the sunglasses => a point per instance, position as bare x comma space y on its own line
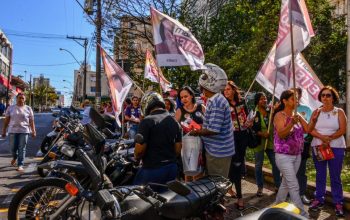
327, 95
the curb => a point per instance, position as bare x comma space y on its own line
311, 186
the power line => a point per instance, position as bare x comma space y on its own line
59, 64
34, 35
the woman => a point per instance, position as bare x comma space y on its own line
239, 113
329, 130
19, 119
260, 126
170, 106
189, 111
288, 143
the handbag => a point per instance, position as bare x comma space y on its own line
323, 152
253, 140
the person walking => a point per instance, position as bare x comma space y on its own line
19, 120
133, 116
329, 130
289, 131
260, 126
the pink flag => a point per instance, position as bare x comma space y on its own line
118, 81
306, 79
302, 30
175, 45
154, 73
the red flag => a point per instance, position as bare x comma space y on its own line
154, 73
174, 43
119, 83
302, 30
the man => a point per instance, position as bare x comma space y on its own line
217, 129
86, 114
133, 116
305, 112
161, 143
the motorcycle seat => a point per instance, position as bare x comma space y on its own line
202, 192
76, 166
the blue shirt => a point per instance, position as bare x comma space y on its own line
217, 118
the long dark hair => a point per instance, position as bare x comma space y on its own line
257, 97
286, 94
237, 95
190, 91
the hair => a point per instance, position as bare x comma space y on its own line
334, 92
299, 91
135, 97
20, 94
162, 28
128, 101
190, 91
237, 95
286, 94
172, 105
257, 97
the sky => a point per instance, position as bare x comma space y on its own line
51, 21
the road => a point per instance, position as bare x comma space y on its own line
10, 179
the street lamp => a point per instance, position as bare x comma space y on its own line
81, 64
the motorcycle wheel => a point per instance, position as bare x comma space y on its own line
40, 199
45, 145
43, 172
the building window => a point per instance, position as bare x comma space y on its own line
93, 89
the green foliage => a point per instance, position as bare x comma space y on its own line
240, 38
43, 94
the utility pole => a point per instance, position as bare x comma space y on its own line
348, 76
85, 54
30, 90
98, 53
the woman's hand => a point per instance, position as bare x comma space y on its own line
325, 139
3, 134
296, 119
265, 134
315, 115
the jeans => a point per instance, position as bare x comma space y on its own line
133, 131
335, 166
18, 143
160, 175
289, 165
259, 161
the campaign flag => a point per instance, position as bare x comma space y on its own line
119, 83
154, 73
302, 30
174, 44
305, 77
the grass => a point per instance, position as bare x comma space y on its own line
310, 169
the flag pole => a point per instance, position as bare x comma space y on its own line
251, 86
271, 110
292, 47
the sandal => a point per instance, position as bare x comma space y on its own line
231, 193
239, 206
259, 193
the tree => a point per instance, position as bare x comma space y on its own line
44, 95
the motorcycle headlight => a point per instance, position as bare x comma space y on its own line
67, 150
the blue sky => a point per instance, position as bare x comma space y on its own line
42, 56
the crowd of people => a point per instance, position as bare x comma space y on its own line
223, 122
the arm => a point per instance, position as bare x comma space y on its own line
279, 121
178, 115
313, 120
6, 124
140, 150
203, 109
303, 123
202, 132
342, 125
32, 127
178, 146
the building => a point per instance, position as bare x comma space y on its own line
131, 43
41, 81
340, 6
60, 100
90, 84
6, 52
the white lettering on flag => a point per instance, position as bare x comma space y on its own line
174, 43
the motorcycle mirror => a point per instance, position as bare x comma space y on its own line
178, 187
139, 138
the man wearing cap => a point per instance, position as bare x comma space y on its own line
217, 129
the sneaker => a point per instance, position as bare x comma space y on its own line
13, 162
339, 210
20, 168
315, 205
305, 200
259, 193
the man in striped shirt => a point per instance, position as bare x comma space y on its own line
217, 130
